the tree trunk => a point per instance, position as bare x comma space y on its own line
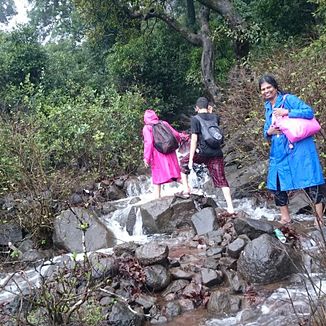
207, 58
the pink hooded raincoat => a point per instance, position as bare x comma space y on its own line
165, 167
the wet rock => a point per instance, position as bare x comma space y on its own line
216, 236
252, 228
175, 287
146, 301
176, 216
211, 277
236, 283
113, 192
228, 262
159, 320
128, 248
157, 277
68, 233
186, 304
10, 232
172, 309
213, 251
193, 289
265, 260
31, 255
122, 316
211, 262
103, 265
152, 253
234, 248
204, 221
219, 302
178, 273
26, 245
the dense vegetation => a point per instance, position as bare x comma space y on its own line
75, 80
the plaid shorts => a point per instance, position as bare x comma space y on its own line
215, 166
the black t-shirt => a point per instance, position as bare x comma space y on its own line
202, 148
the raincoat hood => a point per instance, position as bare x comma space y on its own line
150, 117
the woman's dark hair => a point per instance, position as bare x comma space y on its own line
270, 80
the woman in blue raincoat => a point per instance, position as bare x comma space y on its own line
291, 166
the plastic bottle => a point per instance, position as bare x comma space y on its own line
279, 235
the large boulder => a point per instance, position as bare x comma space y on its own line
10, 232
266, 260
204, 221
68, 233
252, 228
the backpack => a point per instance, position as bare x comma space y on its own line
164, 140
211, 133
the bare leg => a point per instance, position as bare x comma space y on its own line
185, 184
319, 215
227, 195
157, 191
285, 215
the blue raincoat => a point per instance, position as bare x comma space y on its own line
296, 166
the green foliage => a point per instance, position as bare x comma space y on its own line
157, 64
21, 55
283, 18
7, 10
87, 131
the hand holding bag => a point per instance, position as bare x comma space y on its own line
296, 129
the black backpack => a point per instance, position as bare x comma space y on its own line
211, 132
164, 140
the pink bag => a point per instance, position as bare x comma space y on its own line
296, 129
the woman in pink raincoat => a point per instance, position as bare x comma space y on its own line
165, 167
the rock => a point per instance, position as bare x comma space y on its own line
236, 283
219, 302
32, 255
214, 251
234, 248
152, 253
157, 277
146, 301
10, 232
252, 228
113, 192
103, 265
168, 213
266, 260
204, 221
172, 309
175, 287
178, 273
126, 248
68, 233
211, 277
186, 305
122, 316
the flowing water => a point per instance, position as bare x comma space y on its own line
277, 304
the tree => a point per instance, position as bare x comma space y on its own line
119, 14
7, 10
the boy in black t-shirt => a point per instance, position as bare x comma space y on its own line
200, 153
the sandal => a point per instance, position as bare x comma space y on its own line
182, 194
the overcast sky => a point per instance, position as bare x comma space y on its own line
20, 18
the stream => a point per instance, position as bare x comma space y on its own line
284, 303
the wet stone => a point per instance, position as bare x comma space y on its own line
152, 253
178, 273
211, 277
157, 277
234, 249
